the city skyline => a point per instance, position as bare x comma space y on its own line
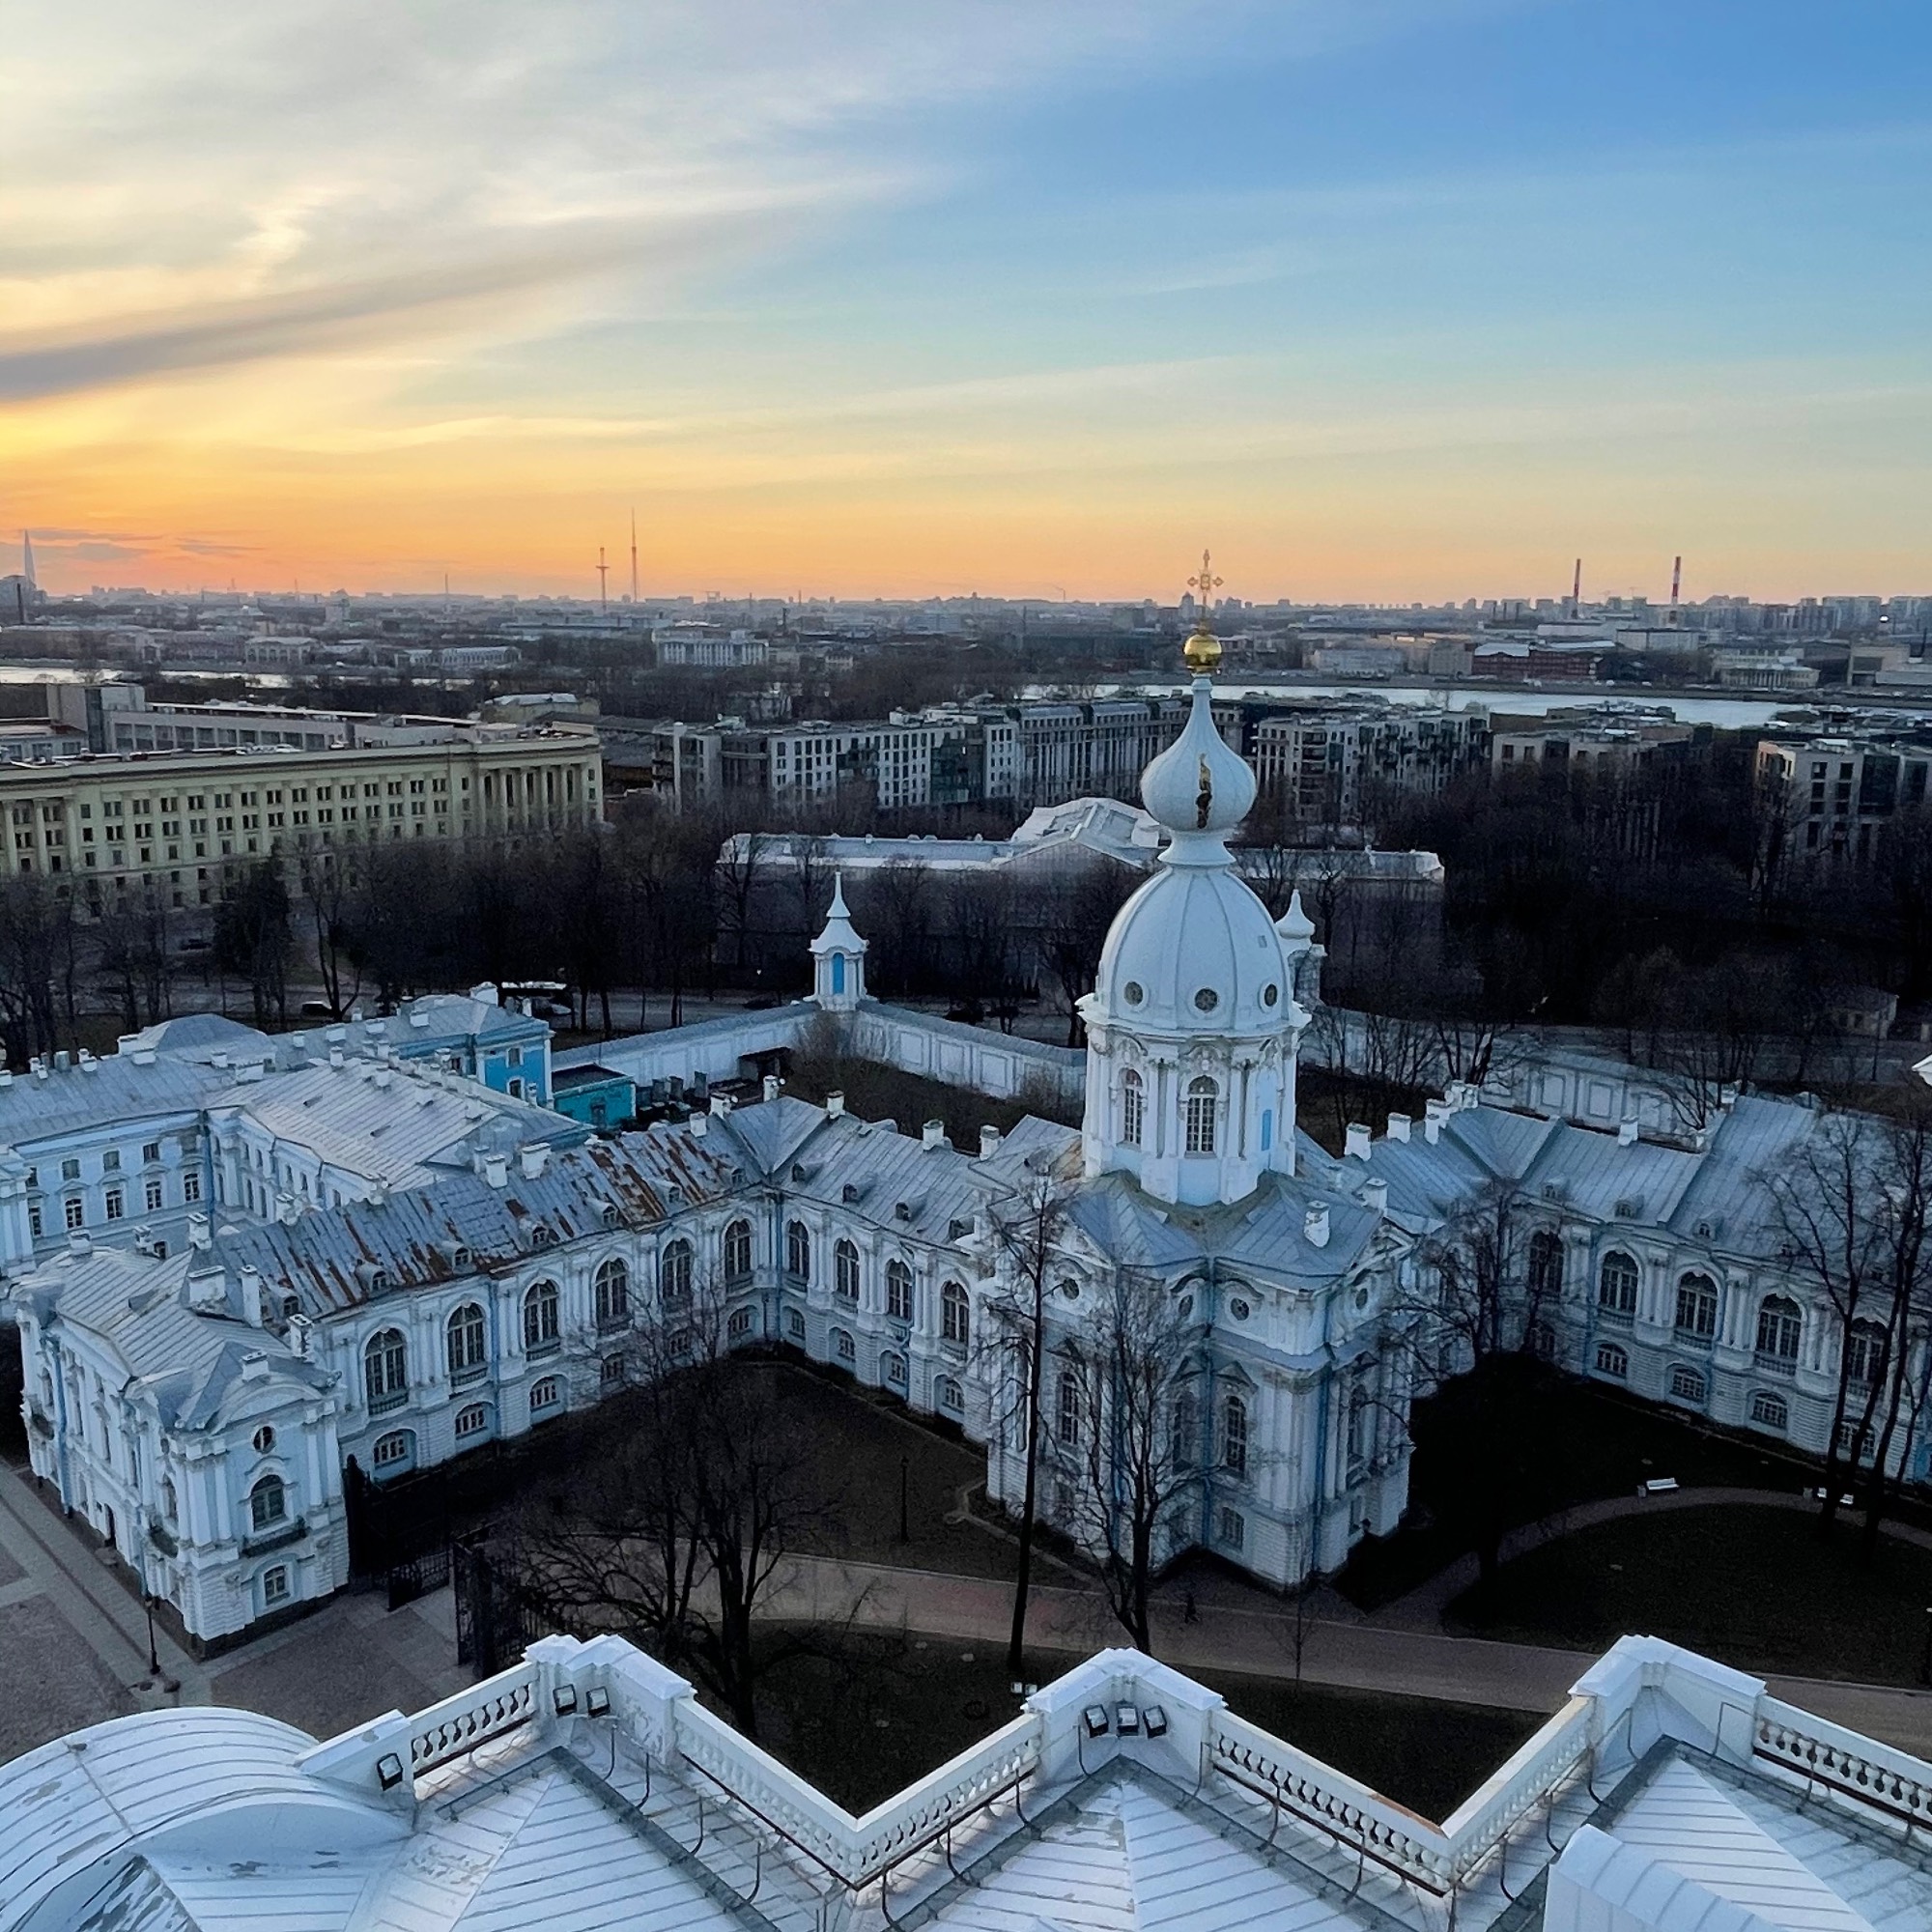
1413, 301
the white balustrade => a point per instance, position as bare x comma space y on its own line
472, 1717
1827, 1754
857, 1850
1359, 1818
1533, 1776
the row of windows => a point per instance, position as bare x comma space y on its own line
1768, 1409
114, 1203
955, 1306
1202, 1110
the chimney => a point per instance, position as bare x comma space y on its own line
302, 1336
6, 1078
218, 1058
78, 1242
1627, 1131
835, 1105
721, 1104
1398, 1125
497, 1170
253, 1310
143, 1056
63, 1060
208, 1289
254, 1366
198, 1234
531, 1161
771, 1085
699, 1126
287, 1209
1376, 1196
934, 1134
87, 1062
418, 1020
1435, 1112
1359, 1142
1314, 1226
335, 1058
383, 1076
989, 1141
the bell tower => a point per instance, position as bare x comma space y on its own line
838, 958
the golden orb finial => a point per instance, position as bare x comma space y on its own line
1203, 648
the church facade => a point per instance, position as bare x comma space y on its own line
481, 1301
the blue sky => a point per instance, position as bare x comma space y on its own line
1388, 300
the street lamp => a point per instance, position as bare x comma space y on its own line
154, 1655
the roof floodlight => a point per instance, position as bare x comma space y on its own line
1094, 1718
563, 1699
1126, 1720
597, 1702
1155, 1721
389, 1771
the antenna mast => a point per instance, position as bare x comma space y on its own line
633, 553
1676, 585
603, 580
1576, 589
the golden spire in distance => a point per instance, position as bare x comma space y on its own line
1203, 649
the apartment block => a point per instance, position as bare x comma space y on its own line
178, 820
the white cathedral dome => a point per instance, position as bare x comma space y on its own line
1194, 951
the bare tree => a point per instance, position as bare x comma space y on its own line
680, 1535
1473, 1311
1123, 1463
130, 950
1850, 1210
329, 897
1028, 1246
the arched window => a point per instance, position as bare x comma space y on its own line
464, 1344
546, 1394
1697, 1307
738, 1251
956, 1315
798, 1251
268, 1503
1612, 1360
1235, 1435
1357, 1442
899, 1291
1066, 1419
674, 1273
893, 1370
1865, 1353
1769, 1410
843, 1347
1185, 1430
1133, 1108
472, 1423
739, 1325
1201, 1096
1617, 1284
1546, 1265
541, 1334
612, 1286
170, 1504
385, 1370
1686, 1384
845, 1272
394, 1452
952, 1397
1779, 1323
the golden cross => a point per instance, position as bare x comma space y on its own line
1207, 583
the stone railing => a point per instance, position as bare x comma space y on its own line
1843, 1761
856, 1851
1535, 1776
472, 1718
1359, 1819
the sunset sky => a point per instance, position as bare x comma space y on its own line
1386, 298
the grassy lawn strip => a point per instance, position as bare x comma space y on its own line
867, 1719
1753, 1587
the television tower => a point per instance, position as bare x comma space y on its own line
1576, 589
27, 559
603, 579
633, 553
1676, 585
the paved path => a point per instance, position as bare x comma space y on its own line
74, 1644
1241, 1637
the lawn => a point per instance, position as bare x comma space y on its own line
1576, 1442
868, 1718
1753, 1587
857, 1447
